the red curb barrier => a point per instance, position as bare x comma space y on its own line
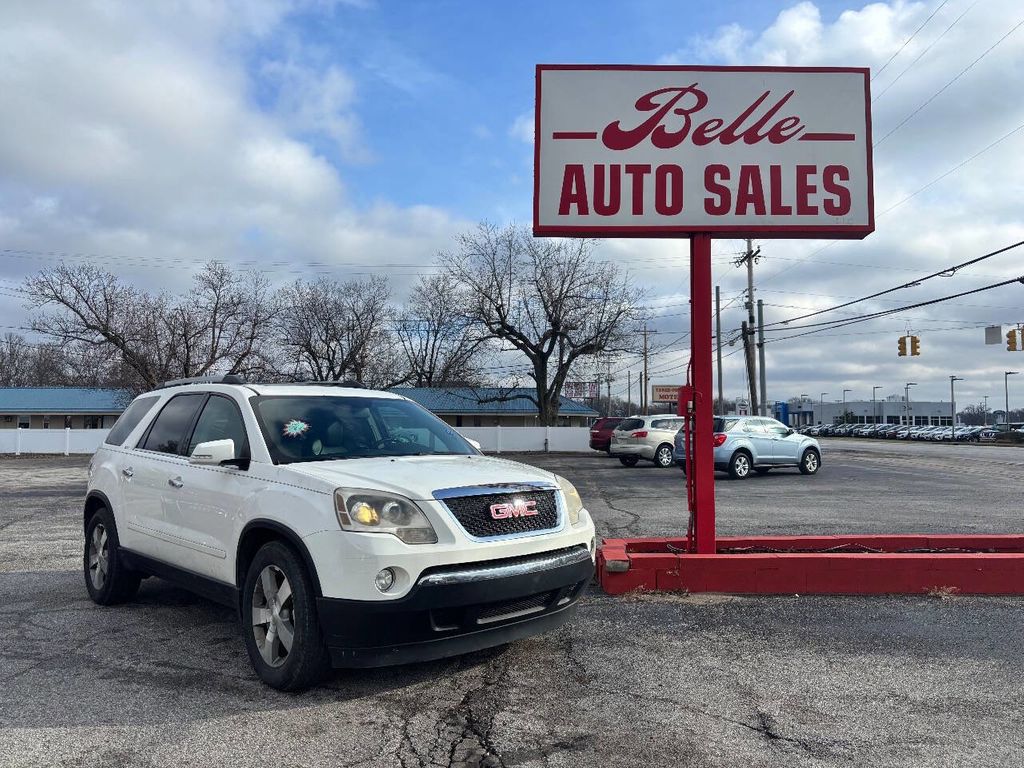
872, 564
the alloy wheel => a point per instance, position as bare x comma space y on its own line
273, 617
664, 456
99, 556
811, 461
742, 465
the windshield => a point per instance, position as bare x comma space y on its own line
326, 428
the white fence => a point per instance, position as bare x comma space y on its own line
507, 439
59, 441
491, 439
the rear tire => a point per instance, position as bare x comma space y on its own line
280, 622
629, 461
108, 580
739, 465
663, 456
810, 462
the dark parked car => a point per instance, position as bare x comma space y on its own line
601, 433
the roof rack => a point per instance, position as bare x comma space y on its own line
349, 383
226, 378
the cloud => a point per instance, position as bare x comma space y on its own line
132, 132
522, 128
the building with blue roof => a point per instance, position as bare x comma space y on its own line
492, 406
83, 408
60, 407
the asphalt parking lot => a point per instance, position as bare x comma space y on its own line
652, 680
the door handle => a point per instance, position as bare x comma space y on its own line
128, 472
176, 482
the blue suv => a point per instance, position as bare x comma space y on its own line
755, 443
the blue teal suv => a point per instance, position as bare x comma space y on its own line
755, 443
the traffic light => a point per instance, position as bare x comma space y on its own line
915, 346
902, 346
1011, 341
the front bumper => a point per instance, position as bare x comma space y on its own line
454, 610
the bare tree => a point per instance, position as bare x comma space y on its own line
440, 342
221, 325
550, 299
333, 331
16, 361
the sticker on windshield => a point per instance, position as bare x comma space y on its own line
295, 428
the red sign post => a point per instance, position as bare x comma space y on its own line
628, 151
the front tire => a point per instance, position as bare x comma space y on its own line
108, 580
280, 622
739, 466
663, 456
810, 462
629, 461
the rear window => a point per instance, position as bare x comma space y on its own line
630, 424
724, 425
130, 419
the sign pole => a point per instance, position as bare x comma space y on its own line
703, 466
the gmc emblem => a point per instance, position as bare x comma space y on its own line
517, 508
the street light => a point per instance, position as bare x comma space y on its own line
844, 403
906, 397
952, 405
984, 413
1006, 392
823, 405
874, 408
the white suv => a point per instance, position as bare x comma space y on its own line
645, 437
347, 526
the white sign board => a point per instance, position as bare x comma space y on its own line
665, 393
625, 151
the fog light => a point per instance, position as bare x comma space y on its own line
385, 580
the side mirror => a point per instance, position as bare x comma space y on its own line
212, 453
474, 443
790, 431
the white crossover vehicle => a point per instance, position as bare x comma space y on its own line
347, 526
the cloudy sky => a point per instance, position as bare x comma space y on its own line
358, 137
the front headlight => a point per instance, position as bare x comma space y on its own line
375, 512
573, 502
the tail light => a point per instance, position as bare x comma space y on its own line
639, 434
719, 438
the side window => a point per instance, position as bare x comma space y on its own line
661, 424
776, 428
753, 426
128, 420
168, 430
220, 420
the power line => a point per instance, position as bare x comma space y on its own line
922, 54
948, 272
907, 41
827, 325
960, 74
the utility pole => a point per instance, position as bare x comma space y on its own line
718, 345
629, 392
748, 258
760, 357
952, 406
1006, 393
646, 381
608, 382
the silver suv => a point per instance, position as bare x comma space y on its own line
645, 437
745, 443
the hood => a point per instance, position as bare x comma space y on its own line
417, 477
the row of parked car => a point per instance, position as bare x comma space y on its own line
742, 444
902, 432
